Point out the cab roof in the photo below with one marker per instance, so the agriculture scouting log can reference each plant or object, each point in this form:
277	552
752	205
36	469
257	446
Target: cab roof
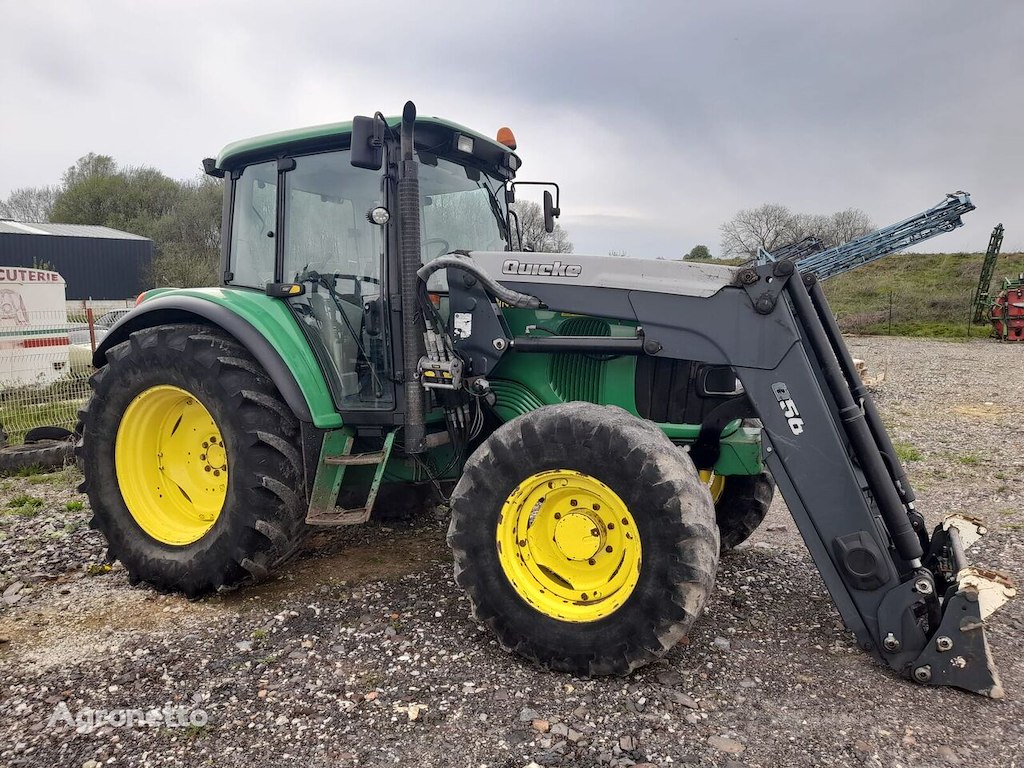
327	136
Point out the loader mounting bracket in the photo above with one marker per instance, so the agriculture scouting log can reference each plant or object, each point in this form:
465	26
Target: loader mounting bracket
765	284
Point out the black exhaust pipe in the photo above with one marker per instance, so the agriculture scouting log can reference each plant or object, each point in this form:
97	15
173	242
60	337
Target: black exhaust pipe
409	251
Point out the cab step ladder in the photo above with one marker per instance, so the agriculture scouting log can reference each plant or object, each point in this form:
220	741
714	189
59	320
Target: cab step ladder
335	457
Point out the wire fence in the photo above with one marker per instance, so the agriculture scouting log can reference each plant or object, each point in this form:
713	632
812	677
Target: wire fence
46	361
908	313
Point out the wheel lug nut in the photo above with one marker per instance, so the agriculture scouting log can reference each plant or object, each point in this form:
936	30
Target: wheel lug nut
202	457
596	507
608	549
216	473
594	532
573	502
558	515
522	542
592	561
611	526
205	444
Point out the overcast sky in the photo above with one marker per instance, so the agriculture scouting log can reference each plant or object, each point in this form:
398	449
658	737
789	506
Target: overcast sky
658	119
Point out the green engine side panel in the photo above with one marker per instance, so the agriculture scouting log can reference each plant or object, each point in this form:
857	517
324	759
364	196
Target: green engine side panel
525	381
272	318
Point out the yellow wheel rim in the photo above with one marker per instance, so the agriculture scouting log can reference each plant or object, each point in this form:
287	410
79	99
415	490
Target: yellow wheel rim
569	546
715	483
171	465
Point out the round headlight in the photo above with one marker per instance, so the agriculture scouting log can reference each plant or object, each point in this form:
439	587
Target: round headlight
379	215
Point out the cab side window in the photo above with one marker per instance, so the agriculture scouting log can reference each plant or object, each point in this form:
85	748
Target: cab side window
253	224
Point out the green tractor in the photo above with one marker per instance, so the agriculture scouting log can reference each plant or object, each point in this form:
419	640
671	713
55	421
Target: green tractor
381	337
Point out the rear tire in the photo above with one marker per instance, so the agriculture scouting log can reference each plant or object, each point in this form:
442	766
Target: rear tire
592	458
742	506
256	513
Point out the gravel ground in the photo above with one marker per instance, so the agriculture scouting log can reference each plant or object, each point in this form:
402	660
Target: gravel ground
362	651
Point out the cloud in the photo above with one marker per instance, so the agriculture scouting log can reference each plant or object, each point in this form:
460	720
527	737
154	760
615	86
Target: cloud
659	119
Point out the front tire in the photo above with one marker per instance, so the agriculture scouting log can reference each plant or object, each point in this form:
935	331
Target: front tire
584	538
742	506
190	461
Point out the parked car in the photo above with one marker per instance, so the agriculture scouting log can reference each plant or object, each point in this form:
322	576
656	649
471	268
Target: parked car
81	342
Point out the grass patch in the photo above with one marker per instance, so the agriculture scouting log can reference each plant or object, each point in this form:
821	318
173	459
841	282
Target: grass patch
915	294
74	506
906	451
192	731
25	505
18	417
970	459
33	470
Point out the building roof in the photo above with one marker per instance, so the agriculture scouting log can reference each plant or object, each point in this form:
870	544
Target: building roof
10	227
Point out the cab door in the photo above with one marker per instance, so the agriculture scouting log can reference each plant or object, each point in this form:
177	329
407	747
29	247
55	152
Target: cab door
304	220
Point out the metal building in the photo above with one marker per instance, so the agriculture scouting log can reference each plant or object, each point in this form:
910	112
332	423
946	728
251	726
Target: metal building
95	262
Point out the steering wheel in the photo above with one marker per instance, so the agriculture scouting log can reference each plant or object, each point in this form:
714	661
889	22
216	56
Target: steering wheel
357	278
447	248
305	276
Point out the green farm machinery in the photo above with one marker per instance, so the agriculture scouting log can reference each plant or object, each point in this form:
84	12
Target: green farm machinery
604	426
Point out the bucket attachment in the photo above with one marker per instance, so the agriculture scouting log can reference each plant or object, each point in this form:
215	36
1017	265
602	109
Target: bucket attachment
957	653
993	588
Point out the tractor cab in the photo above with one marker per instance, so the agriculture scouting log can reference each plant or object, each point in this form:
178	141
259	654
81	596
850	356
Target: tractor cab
315	222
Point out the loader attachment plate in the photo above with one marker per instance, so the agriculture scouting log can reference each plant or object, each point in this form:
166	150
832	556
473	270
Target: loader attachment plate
957	653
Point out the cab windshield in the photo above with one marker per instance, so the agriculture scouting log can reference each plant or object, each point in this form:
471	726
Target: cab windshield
463	208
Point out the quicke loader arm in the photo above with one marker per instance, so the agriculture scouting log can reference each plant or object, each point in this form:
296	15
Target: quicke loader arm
910	598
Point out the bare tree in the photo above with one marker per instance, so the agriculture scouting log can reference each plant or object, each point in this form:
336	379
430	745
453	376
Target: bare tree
531	222
773	226
847	225
766	226
808	225
29	203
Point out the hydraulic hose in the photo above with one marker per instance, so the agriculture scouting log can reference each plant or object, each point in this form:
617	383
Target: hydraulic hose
492	286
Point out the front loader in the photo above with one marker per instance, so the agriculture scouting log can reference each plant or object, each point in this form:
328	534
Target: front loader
608	424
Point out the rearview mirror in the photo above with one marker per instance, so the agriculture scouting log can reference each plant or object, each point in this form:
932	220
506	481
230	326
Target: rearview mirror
550	212
367	143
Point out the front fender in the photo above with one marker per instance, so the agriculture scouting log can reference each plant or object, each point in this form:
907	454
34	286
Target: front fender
263	325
